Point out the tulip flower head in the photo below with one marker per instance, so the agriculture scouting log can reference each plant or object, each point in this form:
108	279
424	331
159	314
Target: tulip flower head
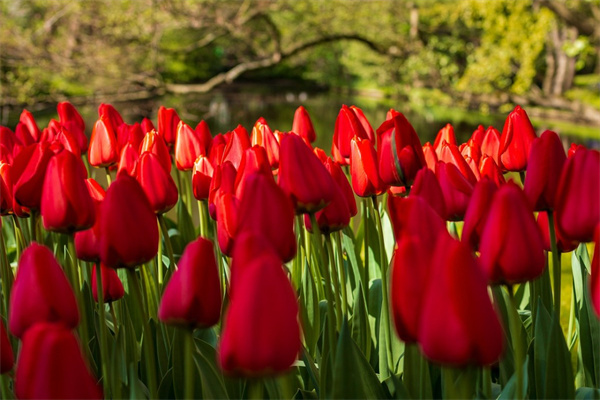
516	139
112	287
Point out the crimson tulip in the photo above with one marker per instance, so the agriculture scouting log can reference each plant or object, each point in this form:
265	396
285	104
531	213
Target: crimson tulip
226	207
340	178
28	172
103	150
7	358
51	366
471	149
546	160
29	123
488	168
302	125
516	139
363	168
203	133
445	135
478	211
254	159
261	333
87	243
157	183
563	244
188	147
109	113
128	160
147	125
450	153
456	188
128	228
66	205
458	324
168	119
72	120
574	148
414	216
578	196
6	189
223	181
478	134
347	126
238	142
250	244
201	177
263	136
364	122
112	287
154	143
130	134
40	293
428	188
303	177
431	158
192	297
511	244
491	144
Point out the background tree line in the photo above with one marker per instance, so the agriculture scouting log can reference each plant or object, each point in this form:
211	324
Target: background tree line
478	53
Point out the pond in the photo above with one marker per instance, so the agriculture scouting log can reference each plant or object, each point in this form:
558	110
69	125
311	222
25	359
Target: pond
243	104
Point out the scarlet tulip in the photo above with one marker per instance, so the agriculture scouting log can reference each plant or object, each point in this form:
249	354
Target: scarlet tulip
28	172
399	151
458	324
103	150
128	228
29	123
153	143
511	244
478	134
188	147
72	120
147	125
238	142
342	181
110	114
254	159
578	196
51	366
490	145
10	143
302	176
223	181
456	188
261	333
334	217
7	358
563	244
192	297
129	134
40	293
488	168
226	207
428	188
112	287
168	119
574	148
450	153
414	216
203	132
516	139
6	189
66	205
446	134
201	177
431	158
264	137
364	122
265	208
546	160
471	149
363	169
250	244
128	160
347	126
87	243
157	183
302	125
478	211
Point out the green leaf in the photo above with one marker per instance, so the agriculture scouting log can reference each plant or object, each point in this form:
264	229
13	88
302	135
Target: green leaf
178	359
353	376
559	380
213	382
309	313
165	389
543	325
416	373
351	245
359	321
510	389
303	394
587	393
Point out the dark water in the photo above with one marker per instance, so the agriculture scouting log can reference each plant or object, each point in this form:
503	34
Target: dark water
223	110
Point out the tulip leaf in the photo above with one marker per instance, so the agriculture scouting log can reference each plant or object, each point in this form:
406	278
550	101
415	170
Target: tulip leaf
559	382
185	225
165	389
311	320
510	389
360	330
213	383
540	288
151	296
303	394
587	393
348	243
543	325
353	376
178	356
417	379
395	388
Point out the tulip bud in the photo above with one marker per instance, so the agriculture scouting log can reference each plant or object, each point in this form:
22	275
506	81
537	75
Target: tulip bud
302	125
478	134
263	293
578	196
450	154
511	243
112	287
471	149
445	135
188	147
154	143
517	136
201	177
414	216
347	126
147	126
6	189
87	242
264	137
128	228
110	114
128	160
157	183
478	211
29	123
40	293
103	150
363	168
489	169
431	158
193	295
7	358
28	172
491	144
364	122
227	213
237	144
428	188
168	119
51	366
254	159
456	188
72	120
302	176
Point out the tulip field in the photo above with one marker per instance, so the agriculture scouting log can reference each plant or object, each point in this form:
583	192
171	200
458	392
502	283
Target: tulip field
155	259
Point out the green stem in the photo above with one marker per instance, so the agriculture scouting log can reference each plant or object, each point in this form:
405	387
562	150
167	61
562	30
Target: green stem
190	349
556	268
108	177
336	284
4	387
148	345
103	333
486	382
114	318
385	311
342	271
365	216
6	273
328	291
255	389
160	270
571	318
33	226
314	271
202	215
515	328
20	237
168	245
73	267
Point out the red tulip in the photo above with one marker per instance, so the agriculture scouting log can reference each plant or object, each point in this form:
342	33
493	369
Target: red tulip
578	196
217	149
87	243
490	145
478	211
129	134
254	159
458	324
488	168
157	183
51	366
128	228
449	153
201	177
471	149
110	114
6	189
431	158
347	126
478	134
340	178
167	125
302	176
334	217
364	123
574	148
428	188
40	293
188	147
456	188
72	120
66	204
545	164
223	181
128	160
563	244
595	277
203	132
112	287
236	145
192	297
68	141
264	137
28	172
445	135
29	123
302	125
511	244
399	151
363	168
153	143
147	125
226	207
103	150
517	136
414	216
10	143
261	333
250	244
265	209
7	358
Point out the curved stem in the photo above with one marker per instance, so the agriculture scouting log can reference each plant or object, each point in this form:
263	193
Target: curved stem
190	349
202	215
342	271
336	284
556	268
365	216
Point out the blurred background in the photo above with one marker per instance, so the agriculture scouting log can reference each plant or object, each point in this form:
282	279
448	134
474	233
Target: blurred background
466	62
